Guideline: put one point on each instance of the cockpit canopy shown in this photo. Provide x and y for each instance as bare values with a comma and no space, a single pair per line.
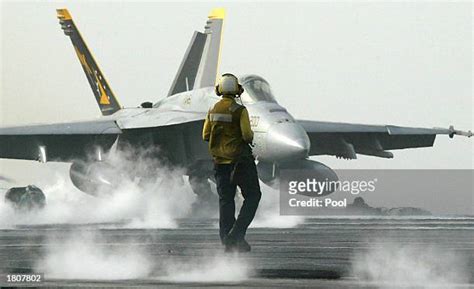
256,89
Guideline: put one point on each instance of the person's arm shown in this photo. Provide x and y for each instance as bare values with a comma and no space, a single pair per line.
206,129
247,133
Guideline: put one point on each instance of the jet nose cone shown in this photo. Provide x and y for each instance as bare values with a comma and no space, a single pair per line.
286,141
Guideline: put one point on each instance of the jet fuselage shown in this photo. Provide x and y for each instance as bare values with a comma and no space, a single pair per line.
277,136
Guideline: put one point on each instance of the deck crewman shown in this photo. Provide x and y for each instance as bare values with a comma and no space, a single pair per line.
227,129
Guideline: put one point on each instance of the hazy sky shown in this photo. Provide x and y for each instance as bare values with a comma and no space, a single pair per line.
404,63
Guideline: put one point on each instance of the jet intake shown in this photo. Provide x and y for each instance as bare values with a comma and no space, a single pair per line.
94,178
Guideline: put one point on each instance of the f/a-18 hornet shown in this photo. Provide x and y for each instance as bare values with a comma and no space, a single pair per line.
174,124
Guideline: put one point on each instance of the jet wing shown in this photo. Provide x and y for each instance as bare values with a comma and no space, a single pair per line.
159,118
58,142
346,140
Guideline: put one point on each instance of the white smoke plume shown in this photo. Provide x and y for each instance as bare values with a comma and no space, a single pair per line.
85,255
423,266
146,193
268,213
89,255
219,268
154,202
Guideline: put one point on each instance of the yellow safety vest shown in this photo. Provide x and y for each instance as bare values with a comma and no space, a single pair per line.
223,131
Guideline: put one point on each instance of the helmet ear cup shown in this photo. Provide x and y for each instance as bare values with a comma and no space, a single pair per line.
217,90
241,89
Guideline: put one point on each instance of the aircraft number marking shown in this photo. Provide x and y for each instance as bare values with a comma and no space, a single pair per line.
254,120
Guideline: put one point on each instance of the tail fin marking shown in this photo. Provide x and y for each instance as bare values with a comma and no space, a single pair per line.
105,98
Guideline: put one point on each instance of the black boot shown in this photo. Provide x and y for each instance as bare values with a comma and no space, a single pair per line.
236,245
243,246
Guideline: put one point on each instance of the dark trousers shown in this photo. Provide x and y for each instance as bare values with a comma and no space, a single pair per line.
250,188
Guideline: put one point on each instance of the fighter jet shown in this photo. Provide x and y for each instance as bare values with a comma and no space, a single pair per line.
174,124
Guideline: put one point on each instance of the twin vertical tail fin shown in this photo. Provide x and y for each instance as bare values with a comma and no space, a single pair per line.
200,64
104,96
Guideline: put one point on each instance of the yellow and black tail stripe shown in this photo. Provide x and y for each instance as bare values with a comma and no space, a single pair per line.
104,96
